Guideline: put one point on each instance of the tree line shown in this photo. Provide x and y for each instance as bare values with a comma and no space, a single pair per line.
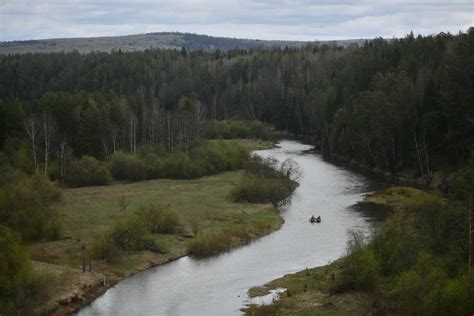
398,104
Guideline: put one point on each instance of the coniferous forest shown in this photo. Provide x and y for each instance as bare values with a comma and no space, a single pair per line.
397,104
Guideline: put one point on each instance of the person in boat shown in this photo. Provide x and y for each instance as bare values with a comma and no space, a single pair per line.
318,219
312,219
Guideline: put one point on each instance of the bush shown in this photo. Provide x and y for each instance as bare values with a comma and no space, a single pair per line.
209,242
105,249
25,205
159,219
87,171
127,235
179,166
128,167
255,189
263,183
361,269
218,156
18,284
456,296
131,235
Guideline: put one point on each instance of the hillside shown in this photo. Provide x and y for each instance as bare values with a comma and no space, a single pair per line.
140,42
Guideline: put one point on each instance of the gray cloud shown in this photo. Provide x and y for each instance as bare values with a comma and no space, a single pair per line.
266,19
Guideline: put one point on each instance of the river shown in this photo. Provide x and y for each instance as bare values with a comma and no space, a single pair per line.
218,285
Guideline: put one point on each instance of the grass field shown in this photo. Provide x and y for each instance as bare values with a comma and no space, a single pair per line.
87,213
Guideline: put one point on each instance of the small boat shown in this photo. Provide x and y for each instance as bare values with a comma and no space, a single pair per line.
315,219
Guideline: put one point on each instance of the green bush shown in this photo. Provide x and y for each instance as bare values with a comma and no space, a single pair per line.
180,166
217,156
209,242
263,183
398,244
456,298
361,269
105,249
87,171
255,189
132,235
126,235
128,167
25,205
419,255
159,219
18,284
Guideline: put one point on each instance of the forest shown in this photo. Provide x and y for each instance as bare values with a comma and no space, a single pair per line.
403,103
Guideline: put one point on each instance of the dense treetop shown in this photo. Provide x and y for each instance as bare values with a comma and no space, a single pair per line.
406,103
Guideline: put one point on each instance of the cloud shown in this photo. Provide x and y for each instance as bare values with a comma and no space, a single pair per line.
265,19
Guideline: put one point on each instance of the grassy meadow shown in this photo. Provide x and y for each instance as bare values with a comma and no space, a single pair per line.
206,212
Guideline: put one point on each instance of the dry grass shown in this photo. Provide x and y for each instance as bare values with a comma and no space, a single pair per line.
309,293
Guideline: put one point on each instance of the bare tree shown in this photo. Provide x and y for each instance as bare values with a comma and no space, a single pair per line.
33,129
62,156
49,126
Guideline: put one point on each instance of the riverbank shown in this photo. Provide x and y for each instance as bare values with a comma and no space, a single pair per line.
417,239
310,292
87,213
315,290
441,180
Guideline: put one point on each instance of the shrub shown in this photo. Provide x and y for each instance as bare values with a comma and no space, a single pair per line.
263,183
398,244
159,219
360,271
105,249
131,235
18,284
25,206
179,166
128,167
456,296
255,189
361,268
209,242
87,171
127,235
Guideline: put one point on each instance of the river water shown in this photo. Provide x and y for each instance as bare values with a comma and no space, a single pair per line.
218,285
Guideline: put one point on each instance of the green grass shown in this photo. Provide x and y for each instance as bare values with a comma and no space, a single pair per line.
404,198
87,213
204,205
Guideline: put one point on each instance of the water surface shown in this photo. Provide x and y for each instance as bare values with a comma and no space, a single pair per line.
218,285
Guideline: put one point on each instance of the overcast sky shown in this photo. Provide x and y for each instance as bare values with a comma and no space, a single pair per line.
263,19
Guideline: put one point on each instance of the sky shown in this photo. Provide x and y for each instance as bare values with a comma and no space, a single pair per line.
263,19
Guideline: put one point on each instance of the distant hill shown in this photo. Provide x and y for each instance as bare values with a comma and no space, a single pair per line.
140,42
